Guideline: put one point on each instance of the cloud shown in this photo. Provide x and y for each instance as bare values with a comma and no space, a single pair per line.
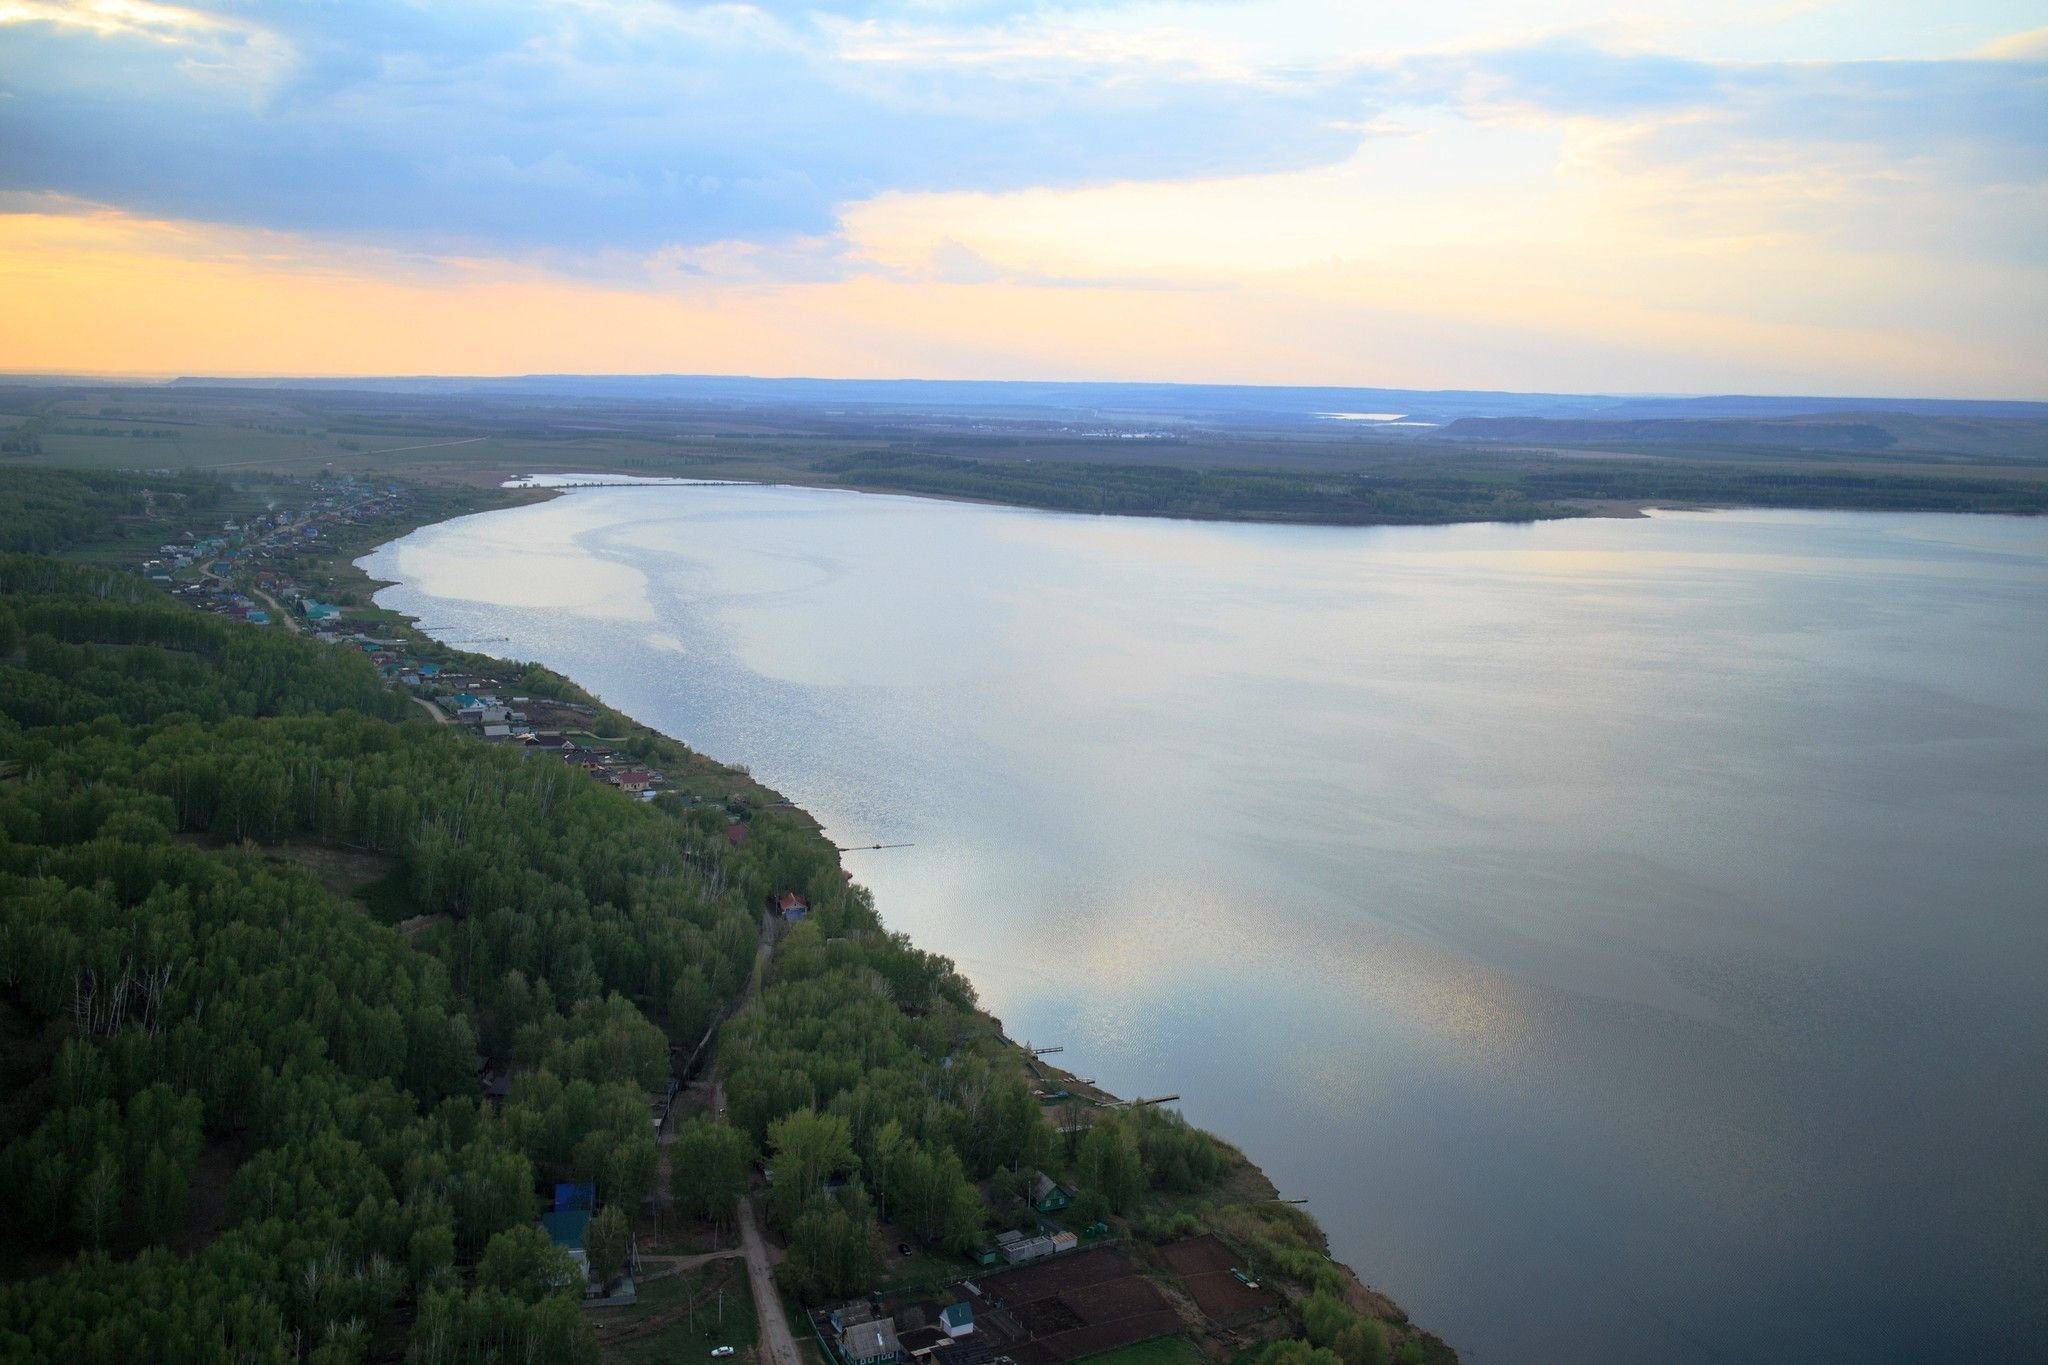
594,126
598,125
1756,178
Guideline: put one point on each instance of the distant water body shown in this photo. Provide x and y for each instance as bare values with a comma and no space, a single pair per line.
1631,937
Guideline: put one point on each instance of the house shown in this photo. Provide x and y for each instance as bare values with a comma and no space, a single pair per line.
871,1343
634,780
1048,1196
791,906
497,732
957,1319
850,1314
494,1084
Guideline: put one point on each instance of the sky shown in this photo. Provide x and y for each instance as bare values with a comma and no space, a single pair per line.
1775,196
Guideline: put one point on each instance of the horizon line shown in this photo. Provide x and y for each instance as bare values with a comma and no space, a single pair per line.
167,377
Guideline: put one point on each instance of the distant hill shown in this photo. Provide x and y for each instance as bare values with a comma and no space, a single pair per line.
1202,404
1803,435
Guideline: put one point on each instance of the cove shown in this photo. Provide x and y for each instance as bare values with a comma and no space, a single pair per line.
1631,937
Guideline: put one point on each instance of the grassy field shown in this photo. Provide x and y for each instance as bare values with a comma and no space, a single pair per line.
1158,1351
680,1318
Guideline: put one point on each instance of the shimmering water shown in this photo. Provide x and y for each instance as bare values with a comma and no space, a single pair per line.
1630,936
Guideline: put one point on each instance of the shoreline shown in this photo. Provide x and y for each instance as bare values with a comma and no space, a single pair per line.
1361,1293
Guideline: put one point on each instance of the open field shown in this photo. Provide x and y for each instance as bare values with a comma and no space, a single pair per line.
681,1318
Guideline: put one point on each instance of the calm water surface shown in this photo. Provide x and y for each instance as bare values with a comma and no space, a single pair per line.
1630,936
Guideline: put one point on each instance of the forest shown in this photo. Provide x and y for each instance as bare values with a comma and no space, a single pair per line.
1157,490
46,510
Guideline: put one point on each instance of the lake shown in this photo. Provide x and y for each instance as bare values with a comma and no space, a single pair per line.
1630,936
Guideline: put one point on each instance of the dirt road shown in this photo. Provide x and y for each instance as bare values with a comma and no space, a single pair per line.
778,1343
277,612
778,1347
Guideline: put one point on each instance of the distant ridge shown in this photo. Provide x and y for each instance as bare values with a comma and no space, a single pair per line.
1225,404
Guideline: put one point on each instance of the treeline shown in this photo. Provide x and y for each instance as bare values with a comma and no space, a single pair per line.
243,1118
1843,490
1528,491
1169,491
46,510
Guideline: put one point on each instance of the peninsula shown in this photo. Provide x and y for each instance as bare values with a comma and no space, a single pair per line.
370,992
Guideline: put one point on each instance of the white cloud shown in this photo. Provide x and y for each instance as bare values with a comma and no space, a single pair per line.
207,44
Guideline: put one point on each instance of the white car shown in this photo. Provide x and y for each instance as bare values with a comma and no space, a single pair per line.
720,1352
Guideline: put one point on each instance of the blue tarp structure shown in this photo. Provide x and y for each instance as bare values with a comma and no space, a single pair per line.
582,1195
565,1227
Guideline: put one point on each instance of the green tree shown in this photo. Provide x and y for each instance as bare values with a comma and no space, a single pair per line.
523,1263
831,1253
1363,1342
1323,1316
807,1149
606,1241
1297,1352
1111,1162
97,1204
708,1168
162,1205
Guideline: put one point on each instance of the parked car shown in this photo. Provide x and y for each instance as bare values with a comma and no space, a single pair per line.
720,1352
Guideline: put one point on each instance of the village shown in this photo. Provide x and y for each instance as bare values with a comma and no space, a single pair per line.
241,570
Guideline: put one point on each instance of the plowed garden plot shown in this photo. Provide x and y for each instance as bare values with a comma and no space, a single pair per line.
1076,1305
1047,1317
1043,1279
1204,1265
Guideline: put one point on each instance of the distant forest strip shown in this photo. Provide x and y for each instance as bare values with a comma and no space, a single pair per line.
1531,489
1739,486
1203,494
